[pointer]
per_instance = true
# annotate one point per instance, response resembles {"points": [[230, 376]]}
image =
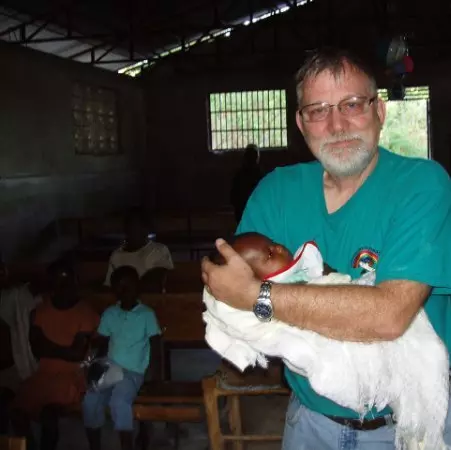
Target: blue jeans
{"points": [[308, 430], [119, 398]]}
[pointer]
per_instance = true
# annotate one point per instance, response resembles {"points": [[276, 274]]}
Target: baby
{"points": [[265, 257], [352, 374]]}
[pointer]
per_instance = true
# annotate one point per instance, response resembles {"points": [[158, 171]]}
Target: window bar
{"points": [[250, 102], [268, 118], [240, 133], [226, 121], [259, 96]]}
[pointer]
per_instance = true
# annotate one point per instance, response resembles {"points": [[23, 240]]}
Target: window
{"points": [[95, 120], [252, 117], [406, 129]]}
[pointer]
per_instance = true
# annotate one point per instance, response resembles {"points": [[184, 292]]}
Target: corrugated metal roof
{"points": [[54, 40]]}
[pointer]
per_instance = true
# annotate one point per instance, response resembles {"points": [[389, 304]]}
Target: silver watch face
{"points": [[263, 311]]}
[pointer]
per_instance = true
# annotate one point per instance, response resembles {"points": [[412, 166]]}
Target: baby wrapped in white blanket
{"points": [[410, 374]]}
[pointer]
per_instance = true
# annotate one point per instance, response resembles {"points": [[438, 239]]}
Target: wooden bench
{"points": [[185, 277], [12, 443], [170, 402]]}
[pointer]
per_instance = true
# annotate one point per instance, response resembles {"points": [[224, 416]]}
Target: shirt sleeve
{"points": [[159, 257], [105, 327], [418, 244], [152, 326]]}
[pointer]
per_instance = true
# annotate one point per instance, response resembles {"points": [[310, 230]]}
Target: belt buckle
{"points": [[350, 424]]}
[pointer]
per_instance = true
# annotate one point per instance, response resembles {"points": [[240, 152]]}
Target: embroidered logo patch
{"points": [[366, 258]]}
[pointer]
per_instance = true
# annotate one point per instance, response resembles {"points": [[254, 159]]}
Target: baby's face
{"points": [[263, 255]]}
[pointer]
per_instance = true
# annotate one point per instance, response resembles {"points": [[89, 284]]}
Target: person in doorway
{"points": [[245, 180]]}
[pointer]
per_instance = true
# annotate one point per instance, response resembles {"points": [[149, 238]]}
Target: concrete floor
{"points": [[260, 415], [263, 414]]}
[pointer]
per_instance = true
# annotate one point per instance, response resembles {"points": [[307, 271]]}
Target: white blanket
{"points": [[410, 373]]}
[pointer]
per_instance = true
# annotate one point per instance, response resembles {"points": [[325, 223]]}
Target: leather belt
{"points": [[364, 425]]}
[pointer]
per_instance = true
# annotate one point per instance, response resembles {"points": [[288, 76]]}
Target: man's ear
{"points": [[299, 122], [381, 110]]}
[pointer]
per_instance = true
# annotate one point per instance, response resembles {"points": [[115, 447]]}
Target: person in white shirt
{"points": [[138, 250]]}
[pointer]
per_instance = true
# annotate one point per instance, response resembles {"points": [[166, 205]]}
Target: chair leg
{"points": [[212, 413], [235, 421]]}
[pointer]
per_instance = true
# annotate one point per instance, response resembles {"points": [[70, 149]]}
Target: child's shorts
{"points": [[119, 398]]}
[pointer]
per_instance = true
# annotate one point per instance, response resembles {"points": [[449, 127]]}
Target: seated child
{"points": [[355, 375], [130, 332]]}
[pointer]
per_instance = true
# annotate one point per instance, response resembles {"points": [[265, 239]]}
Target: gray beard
{"points": [[359, 157]]}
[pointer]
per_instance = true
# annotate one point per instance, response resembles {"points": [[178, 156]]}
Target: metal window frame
{"points": [[283, 127]]}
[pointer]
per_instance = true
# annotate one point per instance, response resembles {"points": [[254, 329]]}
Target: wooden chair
{"points": [[212, 391], [12, 443]]}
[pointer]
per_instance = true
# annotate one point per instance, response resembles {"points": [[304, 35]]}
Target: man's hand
{"points": [[233, 283]]}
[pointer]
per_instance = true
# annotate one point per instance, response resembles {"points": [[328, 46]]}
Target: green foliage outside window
{"points": [[406, 128]]}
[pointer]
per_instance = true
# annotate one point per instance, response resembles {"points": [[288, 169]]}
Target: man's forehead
{"points": [[349, 80]]}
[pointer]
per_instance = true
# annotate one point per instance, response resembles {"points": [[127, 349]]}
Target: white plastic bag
{"points": [[102, 373]]}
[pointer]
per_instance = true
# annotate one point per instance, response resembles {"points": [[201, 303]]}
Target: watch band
{"points": [[265, 291], [263, 307]]}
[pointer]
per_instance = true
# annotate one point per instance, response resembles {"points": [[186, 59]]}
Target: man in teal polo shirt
{"points": [[130, 332], [367, 209]]}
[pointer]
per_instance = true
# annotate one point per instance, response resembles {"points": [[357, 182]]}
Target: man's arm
{"points": [[351, 313], [354, 313]]}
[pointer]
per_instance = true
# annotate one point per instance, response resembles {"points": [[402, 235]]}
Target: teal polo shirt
{"points": [[398, 223], [129, 333]]}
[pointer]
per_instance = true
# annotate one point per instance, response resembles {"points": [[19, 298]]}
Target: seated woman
{"points": [[139, 252], [59, 333]]}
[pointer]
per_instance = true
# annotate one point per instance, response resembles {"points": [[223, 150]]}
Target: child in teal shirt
{"points": [[130, 332]]}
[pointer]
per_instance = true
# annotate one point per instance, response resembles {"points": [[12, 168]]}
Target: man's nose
{"points": [[337, 122]]}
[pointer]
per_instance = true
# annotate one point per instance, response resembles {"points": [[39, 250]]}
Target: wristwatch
{"points": [[263, 307]]}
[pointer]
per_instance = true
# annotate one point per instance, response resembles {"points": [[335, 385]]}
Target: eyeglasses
{"points": [[349, 107]]}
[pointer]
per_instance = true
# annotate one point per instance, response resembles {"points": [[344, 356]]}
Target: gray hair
{"points": [[334, 61]]}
